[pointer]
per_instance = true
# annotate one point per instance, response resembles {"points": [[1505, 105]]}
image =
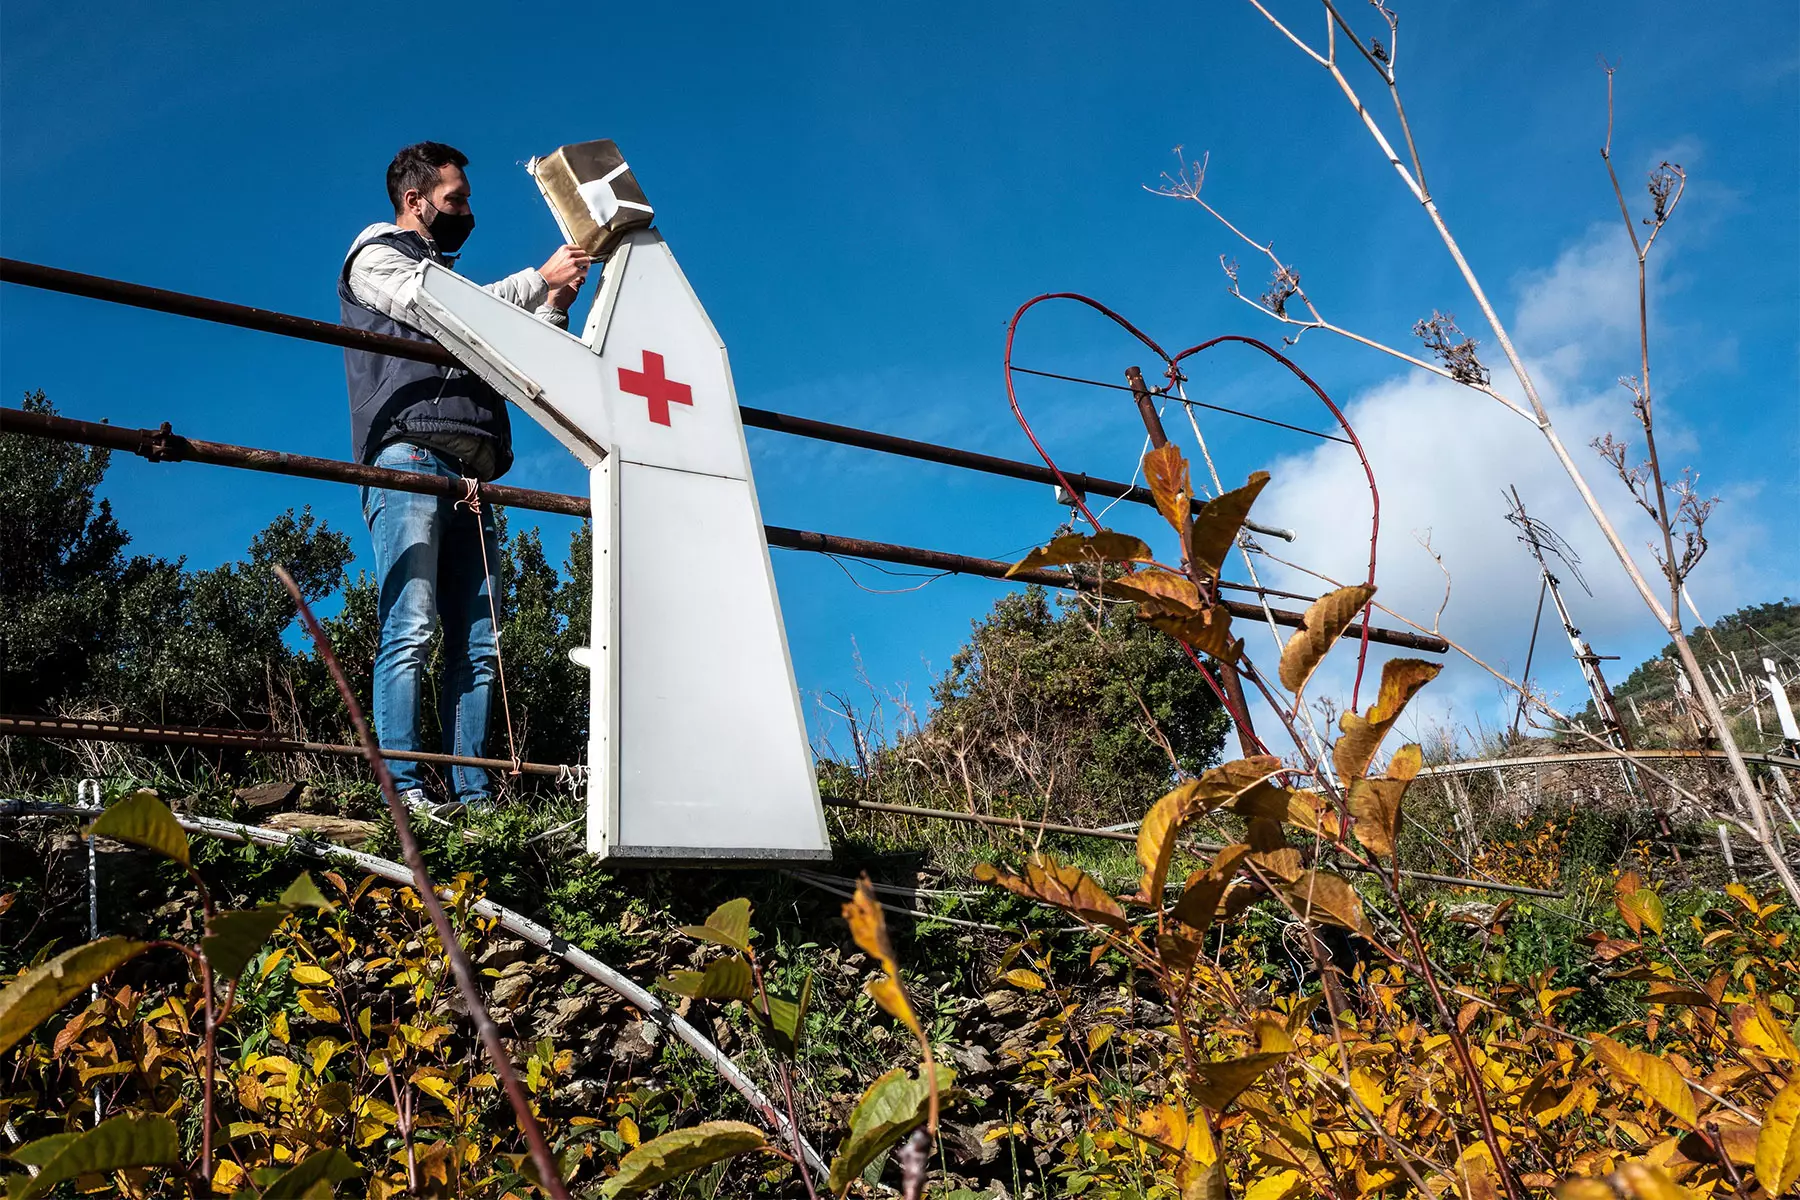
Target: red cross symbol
{"points": [[655, 387]]}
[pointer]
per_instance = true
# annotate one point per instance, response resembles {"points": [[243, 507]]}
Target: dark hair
{"points": [[416, 168]]}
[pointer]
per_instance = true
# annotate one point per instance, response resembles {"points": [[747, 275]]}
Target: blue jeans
{"points": [[429, 567]]}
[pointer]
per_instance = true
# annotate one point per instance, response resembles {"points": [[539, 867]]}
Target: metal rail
{"points": [[1542, 760], [164, 445], [136, 295]]}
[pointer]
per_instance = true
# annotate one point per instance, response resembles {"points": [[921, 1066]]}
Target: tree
{"points": [[61, 568], [1082, 711]]}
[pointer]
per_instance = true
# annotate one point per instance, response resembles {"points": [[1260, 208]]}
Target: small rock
{"points": [[502, 953], [341, 830], [509, 990], [965, 1143], [971, 1060], [268, 797], [1000, 1004], [637, 1040], [567, 1014]]}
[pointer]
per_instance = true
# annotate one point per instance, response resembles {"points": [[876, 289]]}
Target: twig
{"points": [[549, 1175]]}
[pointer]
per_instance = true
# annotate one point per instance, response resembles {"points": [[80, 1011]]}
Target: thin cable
{"points": [[1232, 412], [929, 580]]}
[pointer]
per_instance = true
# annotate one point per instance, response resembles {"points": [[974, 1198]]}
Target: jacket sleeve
{"points": [[388, 281]]}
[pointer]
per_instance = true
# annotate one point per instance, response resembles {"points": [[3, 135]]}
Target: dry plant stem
{"points": [[1563, 723], [1668, 617], [549, 1176]]}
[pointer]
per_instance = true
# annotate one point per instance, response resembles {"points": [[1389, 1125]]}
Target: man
{"points": [[433, 420]]}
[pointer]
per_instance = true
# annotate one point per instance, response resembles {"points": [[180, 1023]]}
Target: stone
{"points": [[971, 1059], [1000, 1004], [341, 830], [263, 798], [567, 1014], [510, 989], [637, 1040]]}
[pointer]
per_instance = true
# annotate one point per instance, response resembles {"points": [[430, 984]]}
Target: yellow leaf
{"points": [[1655, 1078], [1321, 895], [1158, 593], [1166, 471], [1644, 1182], [227, 1177], [278, 1028], [319, 1006], [1584, 1189], [269, 964], [1758, 1029], [1070, 548], [1031, 981], [1476, 1176], [1375, 803], [1068, 888], [1161, 825], [1281, 1186], [1098, 1036], [1368, 1090], [308, 975], [628, 1131], [1778, 1145], [869, 928], [1638, 905], [1221, 1082], [1216, 525], [1401, 678], [1325, 621]]}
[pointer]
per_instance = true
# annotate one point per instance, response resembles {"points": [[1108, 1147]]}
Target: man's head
{"points": [[431, 193]]}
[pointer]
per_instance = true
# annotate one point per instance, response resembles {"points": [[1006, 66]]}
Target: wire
{"points": [[1174, 374], [1119, 387], [839, 559]]}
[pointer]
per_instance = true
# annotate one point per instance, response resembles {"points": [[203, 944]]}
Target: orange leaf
{"points": [[1401, 678], [1199, 901], [1375, 803], [1166, 471], [1158, 593], [1157, 832], [1216, 526], [869, 928], [1071, 548], [1067, 887], [1325, 622], [1208, 631]]}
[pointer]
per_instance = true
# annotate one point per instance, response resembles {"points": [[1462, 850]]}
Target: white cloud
{"points": [[1443, 456]]}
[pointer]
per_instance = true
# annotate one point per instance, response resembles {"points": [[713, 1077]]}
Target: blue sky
{"points": [[862, 195]]}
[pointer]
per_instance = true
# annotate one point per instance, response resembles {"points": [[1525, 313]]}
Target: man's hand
{"points": [[562, 297], [567, 267]]}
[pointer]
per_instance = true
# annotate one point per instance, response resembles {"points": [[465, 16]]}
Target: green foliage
{"points": [[121, 1142], [1064, 693], [681, 1151], [893, 1107], [39, 991]]}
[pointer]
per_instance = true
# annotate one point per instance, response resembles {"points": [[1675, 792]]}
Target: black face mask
{"points": [[449, 230]]}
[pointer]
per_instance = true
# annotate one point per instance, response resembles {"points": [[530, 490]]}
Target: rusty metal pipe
{"points": [[164, 445], [115, 291]]}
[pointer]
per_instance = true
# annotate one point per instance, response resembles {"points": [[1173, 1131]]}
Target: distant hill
{"points": [[1753, 633]]}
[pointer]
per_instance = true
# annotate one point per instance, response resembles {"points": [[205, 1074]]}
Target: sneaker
{"points": [[420, 805]]}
